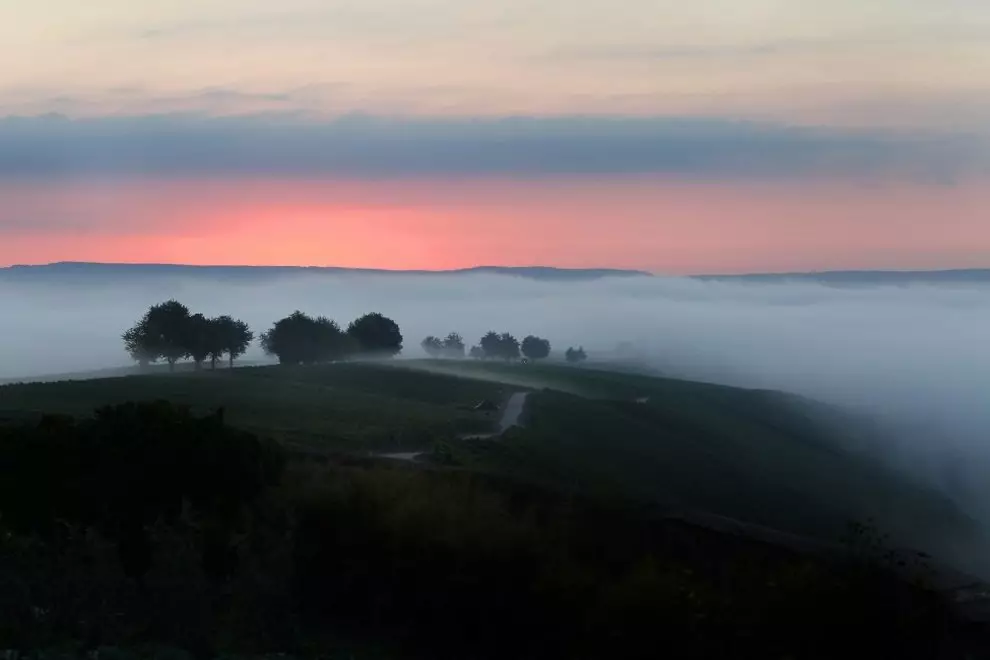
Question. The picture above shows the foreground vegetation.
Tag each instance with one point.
(254, 551)
(156, 524)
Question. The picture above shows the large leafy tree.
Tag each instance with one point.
(376, 334)
(535, 348)
(288, 339)
(200, 339)
(331, 343)
(163, 332)
(169, 323)
(233, 338)
(301, 339)
(140, 344)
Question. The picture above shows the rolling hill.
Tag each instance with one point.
(759, 456)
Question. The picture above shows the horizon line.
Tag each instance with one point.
(489, 267)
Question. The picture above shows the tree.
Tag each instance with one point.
(500, 346)
(301, 339)
(140, 344)
(490, 344)
(575, 355)
(234, 337)
(477, 353)
(169, 323)
(200, 339)
(535, 348)
(508, 347)
(453, 346)
(432, 346)
(330, 342)
(163, 332)
(376, 334)
(289, 338)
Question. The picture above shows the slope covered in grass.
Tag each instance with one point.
(759, 456)
(336, 406)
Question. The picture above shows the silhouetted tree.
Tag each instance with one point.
(535, 348)
(163, 332)
(332, 343)
(500, 346)
(432, 346)
(575, 355)
(477, 353)
(140, 344)
(301, 339)
(453, 346)
(490, 344)
(200, 339)
(234, 337)
(508, 347)
(376, 334)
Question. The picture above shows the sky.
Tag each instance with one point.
(717, 136)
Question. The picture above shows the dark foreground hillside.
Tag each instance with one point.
(149, 526)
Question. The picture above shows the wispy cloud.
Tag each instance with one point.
(367, 146)
(625, 52)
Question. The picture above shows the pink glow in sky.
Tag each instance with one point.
(635, 222)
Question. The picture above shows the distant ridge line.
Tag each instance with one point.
(100, 268)
(827, 277)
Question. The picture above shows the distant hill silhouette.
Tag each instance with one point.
(83, 272)
(112, 271)
(865, 277)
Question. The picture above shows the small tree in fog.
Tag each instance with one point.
(535, 348)
(574, 356)
(508, 347)
(500, 346)
(453, 346)
(432, 346)
(490, 345)
(477, 353)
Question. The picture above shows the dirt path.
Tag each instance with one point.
(510, 417)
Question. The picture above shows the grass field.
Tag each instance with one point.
(759, 456)
(339, 406)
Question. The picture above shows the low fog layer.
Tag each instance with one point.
(917, 356)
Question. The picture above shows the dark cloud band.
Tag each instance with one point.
(364, 146)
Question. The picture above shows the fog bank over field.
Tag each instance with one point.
(919, 355)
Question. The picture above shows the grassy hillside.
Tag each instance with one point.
(552, 540)
(337, 406)
(759, 456)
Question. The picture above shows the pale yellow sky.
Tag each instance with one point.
(877, 62)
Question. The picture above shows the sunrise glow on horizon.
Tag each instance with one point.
(731, 136)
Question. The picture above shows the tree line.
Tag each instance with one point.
(302, 339)
(497, 346)
(170, 332)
